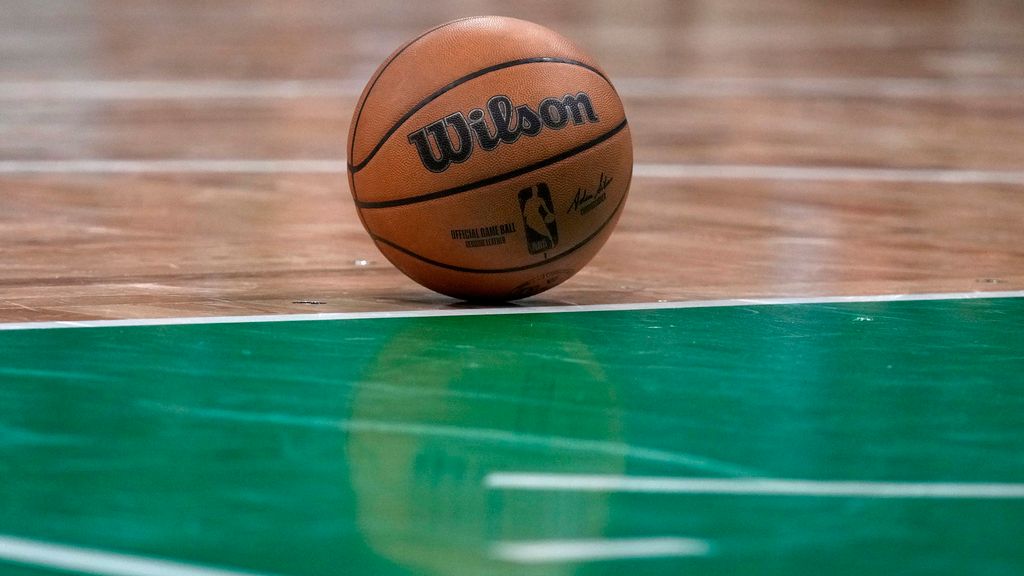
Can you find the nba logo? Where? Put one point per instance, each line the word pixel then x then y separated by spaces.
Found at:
pixel 539 218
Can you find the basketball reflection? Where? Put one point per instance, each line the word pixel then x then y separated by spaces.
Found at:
pixel 448 401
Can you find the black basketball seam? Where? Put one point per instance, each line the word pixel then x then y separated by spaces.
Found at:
pixel 363 204
pixel 359 113
pixel 353 168
pixel 558 256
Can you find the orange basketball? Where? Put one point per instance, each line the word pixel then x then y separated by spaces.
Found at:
pixel 489 158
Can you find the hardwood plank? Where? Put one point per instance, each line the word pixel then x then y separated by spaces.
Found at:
pixel 76 247
pixel 958 131
pixel 327 39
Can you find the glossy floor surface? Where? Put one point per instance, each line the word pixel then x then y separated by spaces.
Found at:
pixel 416 445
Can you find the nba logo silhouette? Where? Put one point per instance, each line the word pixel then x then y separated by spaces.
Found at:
pixel 539 218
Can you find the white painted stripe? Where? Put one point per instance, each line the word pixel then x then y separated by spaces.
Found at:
pixel 161 166
pixel 89 561
pixel 629 87
pixel 564 551
pixel 490 311
pixel 654 171
pixel 827 174
pixel 178 89
pixel 494 436
pixel 527 481
pixel 902 88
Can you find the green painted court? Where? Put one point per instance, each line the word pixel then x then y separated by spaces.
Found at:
pixel 794 439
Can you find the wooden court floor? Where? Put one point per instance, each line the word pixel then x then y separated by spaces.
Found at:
pixel 799 353
pixel 166 159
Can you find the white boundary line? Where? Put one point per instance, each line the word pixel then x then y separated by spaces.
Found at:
pixel 164 166
pixel 871 87
pixel 650 170
pixel 89 561
pixel 493 436
pixel 673 305
pixel 629 87
pixel 178 89
pixel 528 481
pixel 827 174
pixel 559 551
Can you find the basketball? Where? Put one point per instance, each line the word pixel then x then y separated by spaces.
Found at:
pixel 489 158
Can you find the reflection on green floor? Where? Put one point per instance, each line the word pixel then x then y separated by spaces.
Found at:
pixel 361 447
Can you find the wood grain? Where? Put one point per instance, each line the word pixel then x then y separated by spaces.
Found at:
pixel 936 85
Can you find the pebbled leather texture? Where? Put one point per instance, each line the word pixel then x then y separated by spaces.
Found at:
pixel 489 158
